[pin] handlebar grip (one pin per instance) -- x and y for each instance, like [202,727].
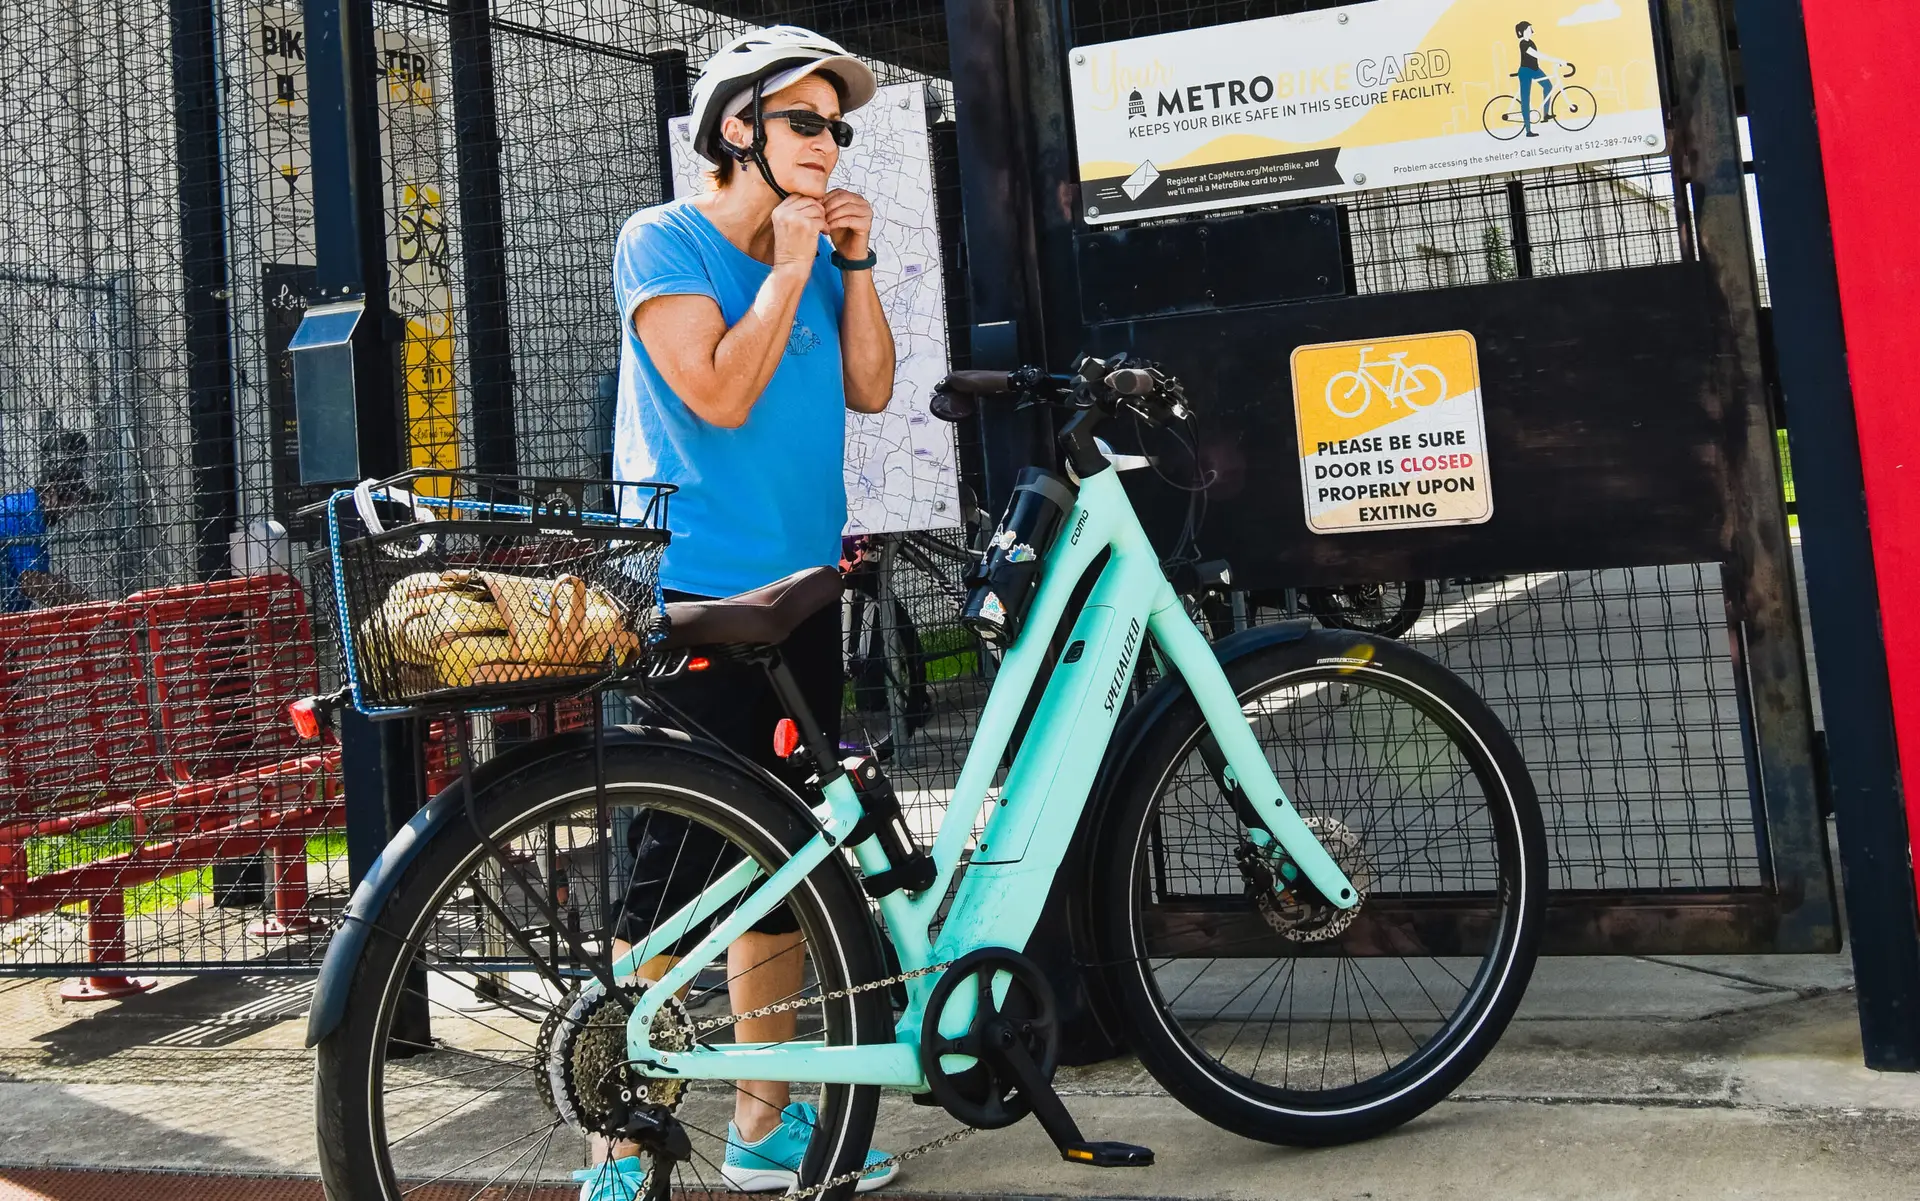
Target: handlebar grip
[1131,381]
[977,383]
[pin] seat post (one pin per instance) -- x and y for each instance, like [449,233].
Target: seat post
[826,757]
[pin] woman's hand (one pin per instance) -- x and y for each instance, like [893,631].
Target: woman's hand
[849,222]
[798,222]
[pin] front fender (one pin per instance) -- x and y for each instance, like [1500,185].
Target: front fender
[1077,873]
[1168,692]
[356,925]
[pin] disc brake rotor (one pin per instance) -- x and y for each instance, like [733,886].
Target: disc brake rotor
[580,1058]
[1297,910]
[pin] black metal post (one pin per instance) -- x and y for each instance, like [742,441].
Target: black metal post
[351,260]
[1763,611]
[203,265]
[1863,763]
[997,177]
[671,98]
[1522,236]
[483,246]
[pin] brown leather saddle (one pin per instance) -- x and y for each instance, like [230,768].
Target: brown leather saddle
[761,617]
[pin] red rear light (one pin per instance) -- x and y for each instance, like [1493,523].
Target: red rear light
[786,738]
[699,663]
[305,715]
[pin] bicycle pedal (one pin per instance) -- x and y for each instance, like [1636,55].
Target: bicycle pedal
[1108,1155]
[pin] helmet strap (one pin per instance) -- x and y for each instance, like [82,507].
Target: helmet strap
[757,149]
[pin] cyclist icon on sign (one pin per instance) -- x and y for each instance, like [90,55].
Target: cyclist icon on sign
[1531,56]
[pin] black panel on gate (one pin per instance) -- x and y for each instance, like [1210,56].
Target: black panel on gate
[1604,434]
[1215,263]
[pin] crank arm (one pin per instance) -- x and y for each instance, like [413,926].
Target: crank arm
[1010,1053]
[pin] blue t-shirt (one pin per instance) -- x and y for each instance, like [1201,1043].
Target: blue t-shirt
[23,528]
[764,500]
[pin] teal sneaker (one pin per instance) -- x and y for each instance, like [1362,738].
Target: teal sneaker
[616,1180]
[774,1161]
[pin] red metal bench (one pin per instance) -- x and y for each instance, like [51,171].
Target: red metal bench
[164,711]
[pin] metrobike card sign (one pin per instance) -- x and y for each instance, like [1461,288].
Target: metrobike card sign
[1391,433]
[1371,95]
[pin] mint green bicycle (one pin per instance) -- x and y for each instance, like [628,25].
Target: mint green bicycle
[1309,865]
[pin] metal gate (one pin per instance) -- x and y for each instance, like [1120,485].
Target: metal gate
[1653,670]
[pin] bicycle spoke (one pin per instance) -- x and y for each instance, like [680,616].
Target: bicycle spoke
[1415,818]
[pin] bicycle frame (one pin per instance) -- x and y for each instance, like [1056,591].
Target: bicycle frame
[1396,365]
[1028,832]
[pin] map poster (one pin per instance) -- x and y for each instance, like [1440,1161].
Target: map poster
[1391,433]
[901,465]
[1372,95]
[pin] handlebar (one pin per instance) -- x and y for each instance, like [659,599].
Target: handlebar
[978,383]
[1132,381]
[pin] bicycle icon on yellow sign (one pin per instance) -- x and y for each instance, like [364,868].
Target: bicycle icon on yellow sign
[1418,386]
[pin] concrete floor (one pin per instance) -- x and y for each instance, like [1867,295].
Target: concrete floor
[1629,1078]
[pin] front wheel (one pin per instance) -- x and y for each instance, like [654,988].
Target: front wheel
[1574,108]
[1257,1004]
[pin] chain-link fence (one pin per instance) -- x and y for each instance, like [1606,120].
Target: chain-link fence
[156,254]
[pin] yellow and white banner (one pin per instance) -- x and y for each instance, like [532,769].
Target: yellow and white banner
[1372,95]
[1391,433]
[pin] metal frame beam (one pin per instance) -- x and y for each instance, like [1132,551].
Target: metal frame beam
[206,287]
[1769,657]
[1842,588]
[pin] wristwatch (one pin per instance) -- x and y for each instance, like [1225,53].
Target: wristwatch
[846,264]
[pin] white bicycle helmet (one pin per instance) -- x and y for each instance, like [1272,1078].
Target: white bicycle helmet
[757,63]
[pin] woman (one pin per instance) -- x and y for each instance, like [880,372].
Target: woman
[750,326]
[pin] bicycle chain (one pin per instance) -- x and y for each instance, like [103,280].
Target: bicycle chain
[945,1140]
[706,1024]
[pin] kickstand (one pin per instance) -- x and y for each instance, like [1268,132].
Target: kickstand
[1004,1046]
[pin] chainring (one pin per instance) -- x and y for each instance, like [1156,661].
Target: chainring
[1297,911]
[580,1058]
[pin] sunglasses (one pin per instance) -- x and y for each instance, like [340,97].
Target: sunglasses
[811,125]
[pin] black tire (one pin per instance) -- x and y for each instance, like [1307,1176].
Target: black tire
[1175,905]
[1574,108]
[425,911]
[1388,610]
[1501,118]
[878,681]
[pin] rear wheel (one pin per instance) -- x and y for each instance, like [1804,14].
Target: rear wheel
[1502,118]
[526,1050]
[1263,1008]
[1388,609]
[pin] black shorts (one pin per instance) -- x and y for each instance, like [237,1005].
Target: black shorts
[673,859]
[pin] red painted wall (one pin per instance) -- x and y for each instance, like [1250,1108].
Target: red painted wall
[1862,53]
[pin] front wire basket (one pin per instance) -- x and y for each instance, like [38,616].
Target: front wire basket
[453,592]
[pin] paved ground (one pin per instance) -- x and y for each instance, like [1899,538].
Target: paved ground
[1628,1078]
